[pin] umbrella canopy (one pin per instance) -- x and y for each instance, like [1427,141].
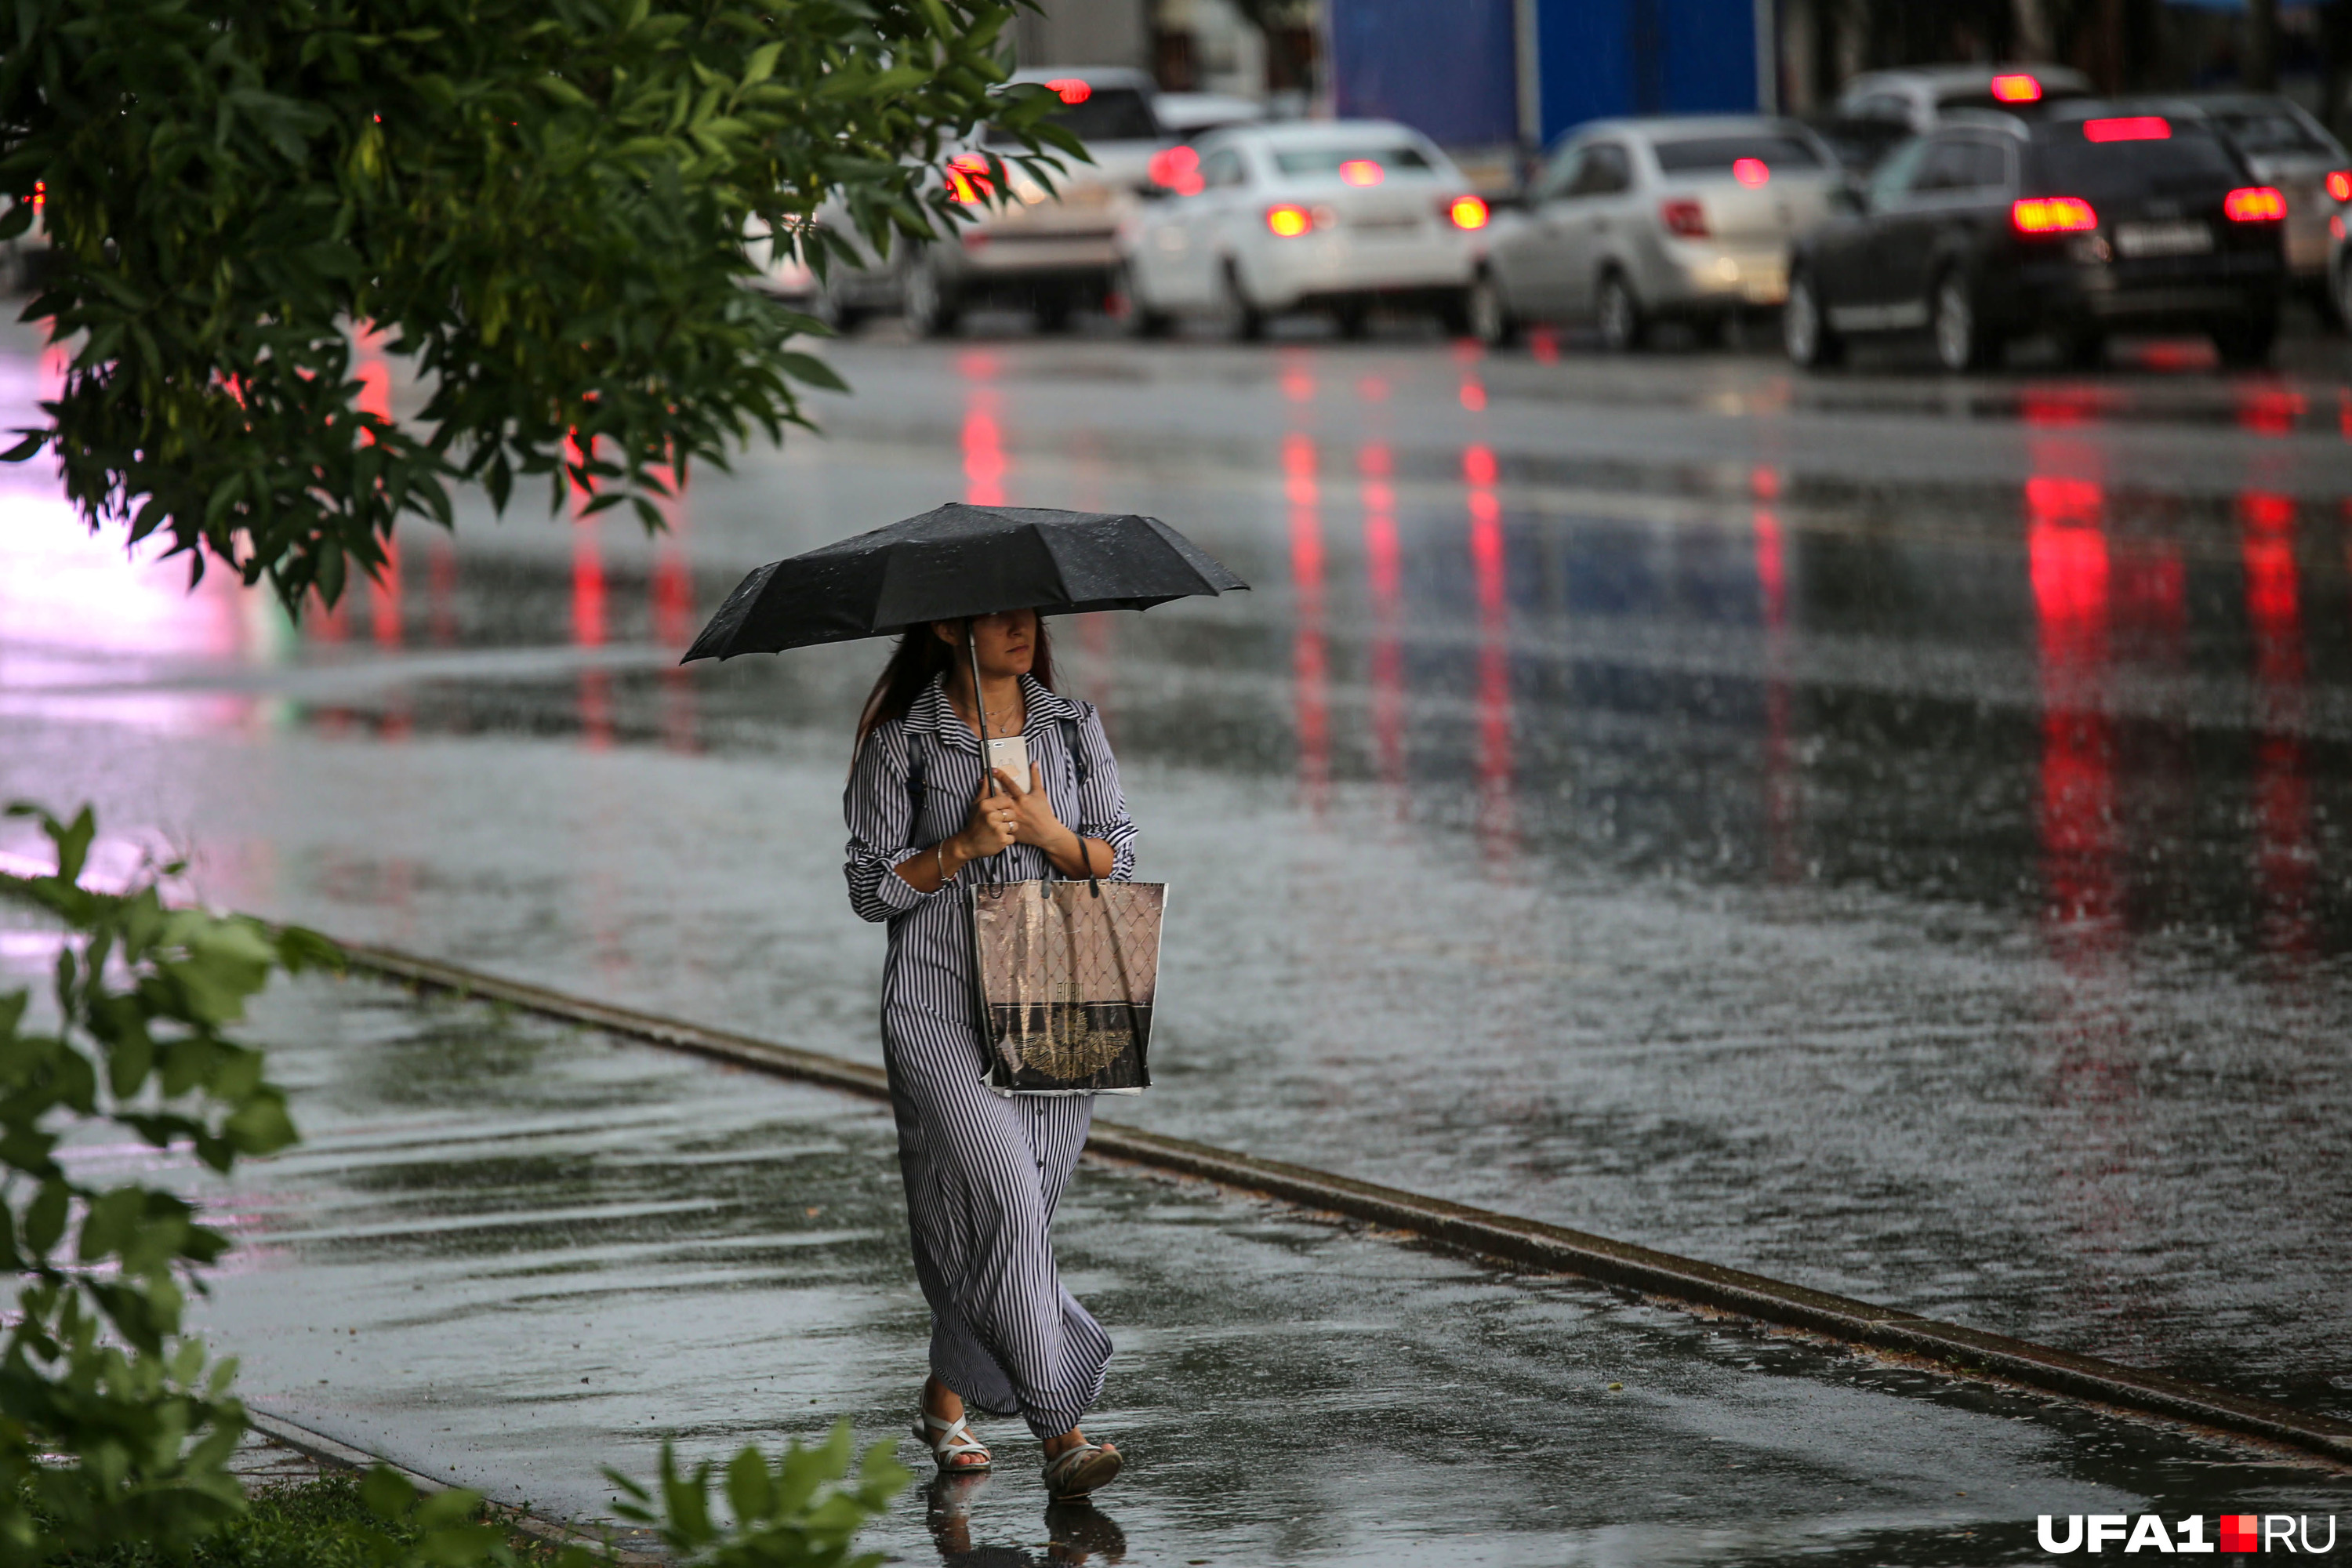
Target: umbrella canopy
[957,560]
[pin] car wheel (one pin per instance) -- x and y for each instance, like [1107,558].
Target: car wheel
[1244,319]
[1453,313]
[2343,293]
[1354,320]
[1619,315]
[1961,341]
[930,306]
[1491,319]
[1053,311]
[1805,330]
[1136,313]
[2245,344]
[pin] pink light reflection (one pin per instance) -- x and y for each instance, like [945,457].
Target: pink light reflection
[1310,658]
[1497,816]
[1384,575]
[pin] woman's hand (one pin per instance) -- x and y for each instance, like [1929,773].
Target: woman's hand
[993,824]
[1033,821]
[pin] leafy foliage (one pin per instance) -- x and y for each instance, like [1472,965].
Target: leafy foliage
[94,1370]
[802,1512]
[548,203]
[115,1428]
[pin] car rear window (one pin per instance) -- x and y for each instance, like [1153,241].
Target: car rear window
[1716,154]
[2190,159]
[2269,131]
[1327,159]
[1109,114]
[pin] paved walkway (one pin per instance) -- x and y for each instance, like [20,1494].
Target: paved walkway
[509,1253]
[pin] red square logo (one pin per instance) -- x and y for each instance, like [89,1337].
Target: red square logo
[2241,1532]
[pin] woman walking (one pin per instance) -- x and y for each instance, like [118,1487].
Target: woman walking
[984,1170]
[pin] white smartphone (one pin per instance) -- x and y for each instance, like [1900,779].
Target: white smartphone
[1009,754]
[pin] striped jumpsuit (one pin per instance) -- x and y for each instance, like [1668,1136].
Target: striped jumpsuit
[983,1171]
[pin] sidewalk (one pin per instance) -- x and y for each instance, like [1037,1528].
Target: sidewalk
[509,1253]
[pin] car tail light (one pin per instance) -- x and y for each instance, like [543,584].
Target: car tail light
[2052,214]
[968,180]
[2016,87]
[1361,172]
[40,195]
[1289,220]
[1466,212]
[2340,184]
[2254,203]
[2129,128]
[1177,169]
[1071,90]
[1750,171]
[1684,217]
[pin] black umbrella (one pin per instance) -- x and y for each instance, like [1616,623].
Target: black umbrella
[955,561]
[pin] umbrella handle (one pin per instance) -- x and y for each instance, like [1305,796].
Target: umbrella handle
[980,707]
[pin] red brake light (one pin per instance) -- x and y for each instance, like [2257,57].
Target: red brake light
[1362,172]
[2254,203]
[1684,218]
[1750,171]
[1467,212]
[2052,214]
[2129,128]
[2340,184]
[2016,87]
[1071,90]
[1178,169]
[1289,220]
[40,195]
[968,180]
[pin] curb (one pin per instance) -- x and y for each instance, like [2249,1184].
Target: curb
[1948,1348]
[343,1456]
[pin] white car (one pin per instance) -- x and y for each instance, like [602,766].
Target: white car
[1331,215]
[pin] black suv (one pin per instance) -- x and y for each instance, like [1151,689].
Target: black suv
[2098,217]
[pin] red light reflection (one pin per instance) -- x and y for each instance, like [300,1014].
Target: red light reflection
[2284,860]
[674,619]
[2067,554]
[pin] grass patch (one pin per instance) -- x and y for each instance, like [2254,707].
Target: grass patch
[315,1524]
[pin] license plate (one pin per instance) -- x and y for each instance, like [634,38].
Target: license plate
[1385,226]
[2135,239]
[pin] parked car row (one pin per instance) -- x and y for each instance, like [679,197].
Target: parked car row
[1976,205]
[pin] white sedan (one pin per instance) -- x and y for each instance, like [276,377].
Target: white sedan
[1341,215]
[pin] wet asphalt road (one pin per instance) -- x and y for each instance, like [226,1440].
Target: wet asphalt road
[1881,831]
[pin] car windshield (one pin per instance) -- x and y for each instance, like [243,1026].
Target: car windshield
[2270,131]
[1330,160]
[1107,114]
[2190,159]
[1716,154]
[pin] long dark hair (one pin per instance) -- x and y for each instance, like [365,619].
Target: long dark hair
[921,655]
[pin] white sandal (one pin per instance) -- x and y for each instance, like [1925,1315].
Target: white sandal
[1074,1472]
[953,1440]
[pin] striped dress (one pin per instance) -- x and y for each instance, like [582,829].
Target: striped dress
[983,1171]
